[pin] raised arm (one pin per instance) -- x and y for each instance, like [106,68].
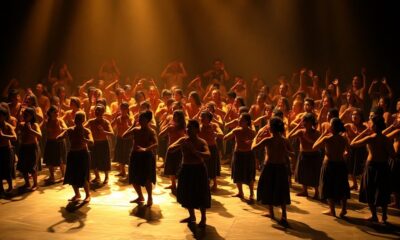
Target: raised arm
[362,139]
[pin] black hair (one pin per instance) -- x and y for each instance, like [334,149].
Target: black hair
[243,109]
[277,113]
[207,114]
[181,118]
[51,110]
[310,101]
[378,111]
[196,98]
[337,125]
[147,115]
[32,112]
[309,117]
[379,123]
[231,94]
[166,92]
[247,118]
[192,123]
[333,112]
[76,101]
[276,124]
[241,101]
[138,93]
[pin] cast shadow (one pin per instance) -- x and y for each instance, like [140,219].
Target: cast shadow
[151,215]
[203,233]
[218,207]
[71,215]
[302,230]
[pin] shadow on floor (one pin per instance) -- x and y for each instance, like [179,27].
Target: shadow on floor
[152,214]
[218,207]
[302,230]
[209,232]
[373,229]
[74,212]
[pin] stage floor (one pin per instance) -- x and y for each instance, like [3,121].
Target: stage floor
[43,215]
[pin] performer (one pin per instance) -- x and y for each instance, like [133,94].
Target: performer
[193,185]
[77,171]
[142,165]
[273,185]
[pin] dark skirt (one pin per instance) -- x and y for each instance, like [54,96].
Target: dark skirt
[55,153]
[356,160]
[308,168]
[122,151]
[142,168]
[243,167]
[193,190]
[100,156]
[213,164]
[273,185]
[173,161]
[395,174]
[334,182]
[77,170]
[28,160]
[6,163]
[375,184]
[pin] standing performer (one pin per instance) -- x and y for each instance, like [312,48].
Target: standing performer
[333,184]
[375,183]
[77,171]
[175,130]
[29,134]
[142,165]
[55,150]
[7,134]
[273,185]
[193,185]
[100,151]
[123,146]
[210,132]
[243,163]
[308,166]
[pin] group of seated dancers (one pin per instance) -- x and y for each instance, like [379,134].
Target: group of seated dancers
[293,128]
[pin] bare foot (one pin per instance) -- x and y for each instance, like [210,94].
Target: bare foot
[373,219]
[329,213]
[188,220]
[269,215]
[202,223]
[343,213]
[283,222]
[34,188]
[74,199]
[239,195]
[87,199]
[137,200]
[149,202]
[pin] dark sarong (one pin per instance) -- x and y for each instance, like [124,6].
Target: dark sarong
[27,162]
[308,168]
[375,184]
[122,151]
[213,164]
[356,160]
[6,163]
[173,161]
[243,167]
[142,168]
[55,153]
[77,170]
[333,182]
[100,156]
[273,185]
[193,190]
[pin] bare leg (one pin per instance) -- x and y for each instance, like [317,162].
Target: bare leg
[354,180]
[77,193]
[26,178]
[271,212]
[149,189]
[331,210]
[384,213]
[215,184]
[240,188]
[303,193]
[139,193]
[251,186]
[105,177]
[86,187]
[96,175]
[62,170]
[202,222]
[316,195]
[191,218]
[344,208]
[51,177]
[35,184]
[374,217]
[10,186]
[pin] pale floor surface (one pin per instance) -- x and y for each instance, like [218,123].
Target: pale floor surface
[43,215]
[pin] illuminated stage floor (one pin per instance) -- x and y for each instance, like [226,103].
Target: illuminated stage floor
[42,215]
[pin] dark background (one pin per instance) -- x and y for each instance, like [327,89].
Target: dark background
[263,37]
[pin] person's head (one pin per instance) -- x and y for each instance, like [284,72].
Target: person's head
[211,106]
[3,114]
[315,80]
[308,105]
[231,96]
[102,101]
[80,118]
[31,101]
[193,128]
[13,96]
[178,94]
[378,124]
[297,106]
[356,82]
[52,113]
[269,110]
[283,89]
[144,118]
[139,97]
[261,98]
[332,113]
[216,95]
[384,102]
[90,92]
[124,108]
[309,121]
[144,106]
[39,89]
[283,104]
[245,120]
[376,111]
[177,106]
[29,115]
[61,92]
[276,125]
[99,110]
[328,102]
[206,117]
[194,98]
[179,119]
[166,94]
[75,103]
[120,93]
[357,116]
[350,98]
[218,64]
[337,126]
[277,113]
[152,92]
[243,109]
[239,102]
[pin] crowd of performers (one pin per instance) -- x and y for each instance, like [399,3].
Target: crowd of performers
[295,127]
